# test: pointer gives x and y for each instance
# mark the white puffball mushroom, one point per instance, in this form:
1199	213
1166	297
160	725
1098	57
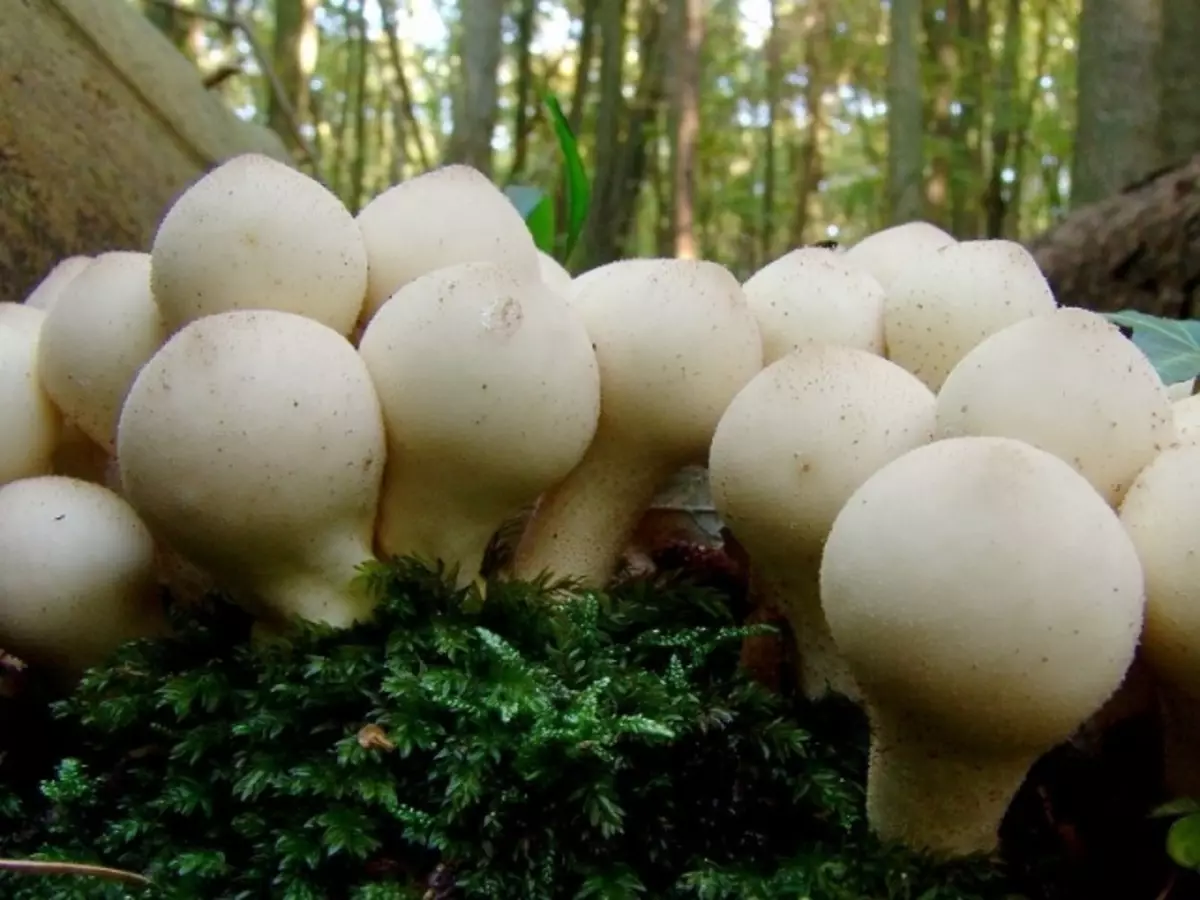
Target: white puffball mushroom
987	602
1186	413
102	330
252	442
1161	512
792	447
77	575
888	254
441	218
490	395
1070	383
555	276
29	422
46	294
813	296
1181	390
255	233
26	319
675	341
955	297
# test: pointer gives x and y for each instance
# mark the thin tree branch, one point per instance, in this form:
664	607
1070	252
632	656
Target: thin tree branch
387	15
264	63
39	867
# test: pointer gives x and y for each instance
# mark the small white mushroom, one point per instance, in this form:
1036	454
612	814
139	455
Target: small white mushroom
253	444
955	297
77	574
556	277
29	422
987	601
1181	390
810	296
448	216
102	330
490	394
888	254
1070	383
1162	515
257	234
27	319
675	341
1186	413
792	447
45	295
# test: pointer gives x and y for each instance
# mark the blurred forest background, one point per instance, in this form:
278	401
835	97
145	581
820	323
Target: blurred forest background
728	129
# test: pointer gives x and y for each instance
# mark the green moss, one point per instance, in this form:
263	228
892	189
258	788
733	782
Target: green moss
604	747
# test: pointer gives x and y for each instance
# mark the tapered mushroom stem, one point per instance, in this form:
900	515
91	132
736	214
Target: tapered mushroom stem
580	526
1181	741
927	794
323	591
795	591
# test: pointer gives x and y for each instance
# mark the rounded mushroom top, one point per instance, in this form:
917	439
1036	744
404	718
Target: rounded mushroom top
981	589
250	440
1161	512
801	437
484	375
814	296
892	252
1070	383
101	331
77	575
957	296
29	423
554	275
450	215
675	341
45	295
26	319
255	233
1186	412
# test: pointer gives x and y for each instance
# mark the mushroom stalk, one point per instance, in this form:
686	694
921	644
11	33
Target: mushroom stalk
795	589
579	528
323	590
974	791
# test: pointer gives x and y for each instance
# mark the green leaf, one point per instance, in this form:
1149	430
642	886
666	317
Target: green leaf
1172	345
1180	806
537	209
579	195
1183	842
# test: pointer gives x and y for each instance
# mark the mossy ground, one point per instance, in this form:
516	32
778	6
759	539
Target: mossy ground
594	746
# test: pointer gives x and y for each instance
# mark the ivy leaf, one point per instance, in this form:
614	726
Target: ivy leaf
1171	345
1183	842
537	210
579	196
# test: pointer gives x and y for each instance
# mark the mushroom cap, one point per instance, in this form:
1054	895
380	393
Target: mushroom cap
251	440
1186	413
450	215
487	381
675	341
101	331
255	233
811	295
1070	383
801	437
960	294
556	277
888	254
1161	512
29	422
45	295
980	587
27	319
77	575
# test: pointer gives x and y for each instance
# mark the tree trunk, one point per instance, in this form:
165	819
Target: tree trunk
526	25
358	164
477	95
686	34
766	249
1117	119
818	37
1004	126
294	56
905	125
1137	250
1179	81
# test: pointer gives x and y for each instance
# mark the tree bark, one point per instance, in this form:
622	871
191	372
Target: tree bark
1137	250
905	125
1179	81
526	25
294	55
766	251
479	62
686	36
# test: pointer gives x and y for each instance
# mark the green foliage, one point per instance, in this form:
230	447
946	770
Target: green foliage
1172	345
537	209
1183	838
578	197
591	747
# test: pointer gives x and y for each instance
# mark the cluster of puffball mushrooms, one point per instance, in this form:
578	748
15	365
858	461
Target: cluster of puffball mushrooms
973	506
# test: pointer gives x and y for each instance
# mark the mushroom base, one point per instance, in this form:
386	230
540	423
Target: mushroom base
580	527
1181	741
820	669
931	796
